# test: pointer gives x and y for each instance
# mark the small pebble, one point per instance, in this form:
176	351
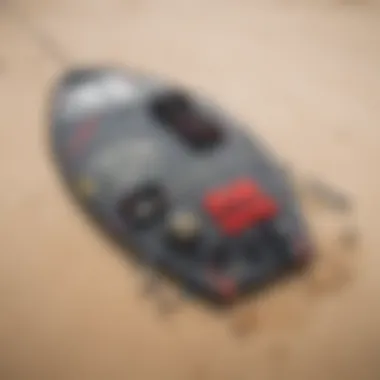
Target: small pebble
245	322
349	237
333	198
152	284
167	303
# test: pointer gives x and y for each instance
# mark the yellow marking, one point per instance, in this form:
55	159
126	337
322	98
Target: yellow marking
86	187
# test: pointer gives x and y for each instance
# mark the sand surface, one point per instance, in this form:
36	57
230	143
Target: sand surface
306	74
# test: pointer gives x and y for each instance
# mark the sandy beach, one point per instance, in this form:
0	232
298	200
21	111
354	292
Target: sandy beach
305	75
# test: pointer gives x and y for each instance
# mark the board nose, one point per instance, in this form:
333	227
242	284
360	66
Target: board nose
68	83
89	90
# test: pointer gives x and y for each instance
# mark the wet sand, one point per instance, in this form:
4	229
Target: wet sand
306	75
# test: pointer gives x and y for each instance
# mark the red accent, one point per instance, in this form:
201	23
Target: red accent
239	206
82	136
223	199
225	286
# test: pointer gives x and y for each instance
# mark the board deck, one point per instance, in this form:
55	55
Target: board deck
176	179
